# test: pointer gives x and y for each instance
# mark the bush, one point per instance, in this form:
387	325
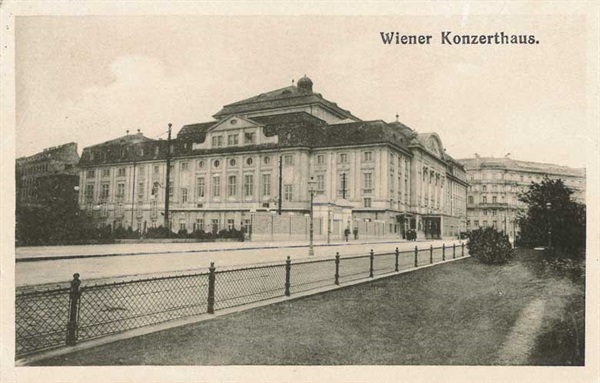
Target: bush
490	246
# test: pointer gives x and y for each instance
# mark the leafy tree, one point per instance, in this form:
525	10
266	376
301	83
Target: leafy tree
552	217
490	246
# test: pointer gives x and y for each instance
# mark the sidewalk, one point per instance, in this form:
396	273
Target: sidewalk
41	253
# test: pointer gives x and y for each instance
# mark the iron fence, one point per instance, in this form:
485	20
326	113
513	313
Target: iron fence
63	316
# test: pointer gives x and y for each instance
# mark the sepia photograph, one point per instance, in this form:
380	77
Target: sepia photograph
301	189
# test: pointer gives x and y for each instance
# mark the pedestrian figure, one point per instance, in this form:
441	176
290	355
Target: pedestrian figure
347	234
355	233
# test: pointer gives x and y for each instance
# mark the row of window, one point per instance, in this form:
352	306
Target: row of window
233	139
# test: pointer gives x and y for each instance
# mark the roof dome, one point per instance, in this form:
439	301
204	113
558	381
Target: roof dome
305	84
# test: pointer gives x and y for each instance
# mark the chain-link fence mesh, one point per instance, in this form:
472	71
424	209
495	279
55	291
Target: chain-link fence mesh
353	268
311	275
41	319
253	284
111	308
384	263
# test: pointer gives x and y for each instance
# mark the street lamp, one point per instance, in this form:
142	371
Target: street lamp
311	189
549	207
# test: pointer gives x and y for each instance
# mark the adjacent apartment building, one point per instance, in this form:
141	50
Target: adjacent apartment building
47	177
257	157
495	185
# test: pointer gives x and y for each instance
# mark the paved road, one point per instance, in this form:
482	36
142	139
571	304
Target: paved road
156	259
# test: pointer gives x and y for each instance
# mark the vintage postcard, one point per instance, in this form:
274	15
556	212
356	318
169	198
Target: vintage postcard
278	191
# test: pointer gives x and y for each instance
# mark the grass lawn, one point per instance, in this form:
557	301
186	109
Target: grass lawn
461	313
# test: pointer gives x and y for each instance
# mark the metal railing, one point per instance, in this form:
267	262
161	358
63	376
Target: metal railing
64	316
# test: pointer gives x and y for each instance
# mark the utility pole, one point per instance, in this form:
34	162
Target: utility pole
280	184
344	185
167	183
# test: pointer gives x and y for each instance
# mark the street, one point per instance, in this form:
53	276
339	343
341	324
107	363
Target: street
128	261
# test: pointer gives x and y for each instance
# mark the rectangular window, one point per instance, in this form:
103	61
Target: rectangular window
367	202
288	160
156	169
232	139
105	172
494	199
266	185
471	199
368	181
104	192
249	137
182	225
155	189
468	223
91	174
216	186
199	225
288	192
121	172
184	166
494	212
230	224
120	190
343	183
200	187
476	223
484	199
217	141
89	192
248	185
485	212
215	225
368	156
140	190
484	188
320	183
184	195
320	159
485	223
232	186
343	158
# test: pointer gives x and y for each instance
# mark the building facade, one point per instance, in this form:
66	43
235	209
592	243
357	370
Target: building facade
257	157
47	176
495	185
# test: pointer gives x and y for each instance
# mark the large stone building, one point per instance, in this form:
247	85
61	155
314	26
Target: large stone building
383	178
495	185
47	176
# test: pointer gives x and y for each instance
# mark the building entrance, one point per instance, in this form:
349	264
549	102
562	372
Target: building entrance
432	227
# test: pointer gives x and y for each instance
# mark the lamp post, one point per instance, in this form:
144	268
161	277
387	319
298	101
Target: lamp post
549	208
311	189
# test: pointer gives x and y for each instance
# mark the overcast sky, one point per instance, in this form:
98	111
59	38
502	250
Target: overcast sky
89	79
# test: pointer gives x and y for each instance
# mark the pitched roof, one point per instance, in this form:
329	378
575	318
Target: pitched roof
281	98
509	163
195	132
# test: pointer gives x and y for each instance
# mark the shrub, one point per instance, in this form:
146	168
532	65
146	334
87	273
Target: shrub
490	246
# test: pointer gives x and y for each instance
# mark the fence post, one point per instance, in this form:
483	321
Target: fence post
416	256
211	289
337	268
462	252
397	255
288	270
372	257
453	250
430	253
443	251
74	296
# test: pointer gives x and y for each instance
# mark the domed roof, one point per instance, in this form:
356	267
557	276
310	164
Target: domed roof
305	83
